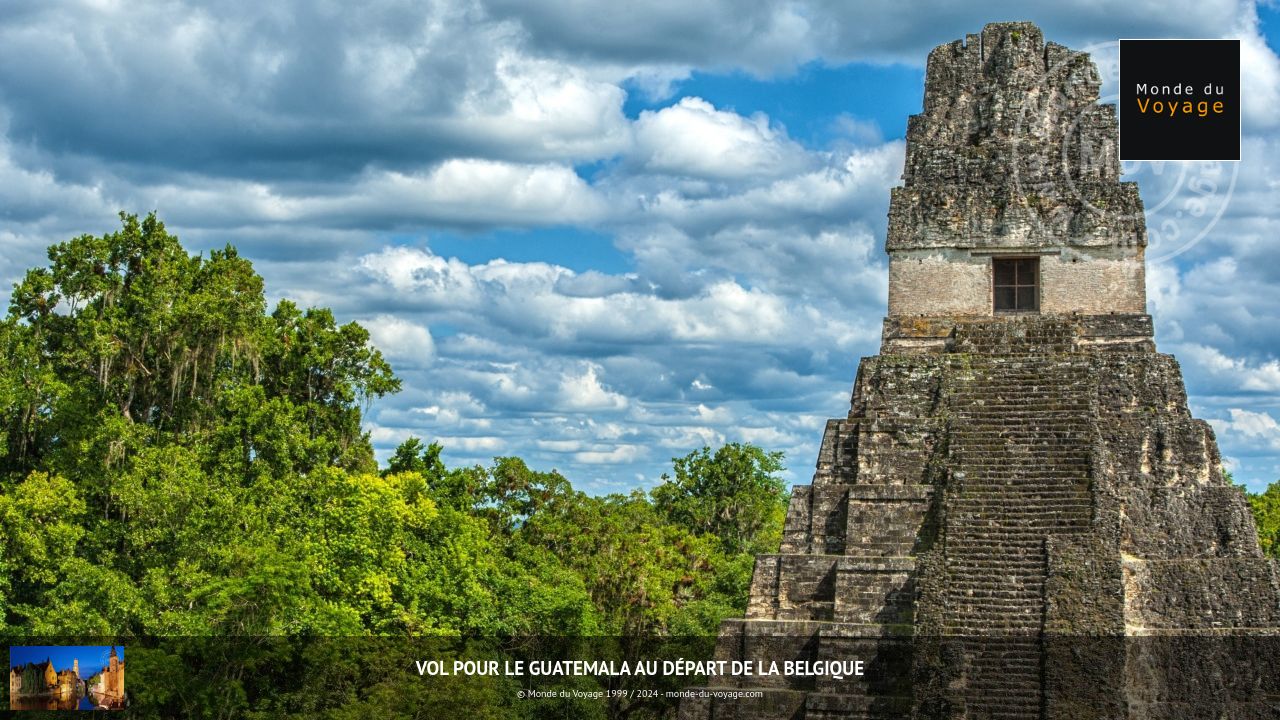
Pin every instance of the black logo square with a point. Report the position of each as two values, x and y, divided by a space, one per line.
1179 100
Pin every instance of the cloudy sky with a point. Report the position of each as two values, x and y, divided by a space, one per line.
596 234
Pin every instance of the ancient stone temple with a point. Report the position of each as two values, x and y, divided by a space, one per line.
1019 517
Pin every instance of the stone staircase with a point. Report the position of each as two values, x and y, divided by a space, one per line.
1016 416
842 588
1019 458
983 514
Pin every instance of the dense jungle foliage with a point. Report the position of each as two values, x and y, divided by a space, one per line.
183 470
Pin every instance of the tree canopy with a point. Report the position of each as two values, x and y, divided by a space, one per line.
178 460
1266 514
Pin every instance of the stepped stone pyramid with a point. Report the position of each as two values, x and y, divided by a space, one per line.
1019 517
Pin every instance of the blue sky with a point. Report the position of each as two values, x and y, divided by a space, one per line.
592 235
92 657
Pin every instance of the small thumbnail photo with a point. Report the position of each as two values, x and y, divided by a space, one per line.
58 677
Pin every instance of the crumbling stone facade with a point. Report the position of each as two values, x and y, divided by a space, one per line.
1019 517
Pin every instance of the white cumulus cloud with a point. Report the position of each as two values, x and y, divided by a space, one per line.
584 392
400 339
694 138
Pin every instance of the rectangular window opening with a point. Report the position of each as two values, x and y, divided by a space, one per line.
1016 285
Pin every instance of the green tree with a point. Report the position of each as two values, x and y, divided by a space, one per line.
174 420
40 525
326 370
137 325
1266 514
129 326
734 494
412 456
